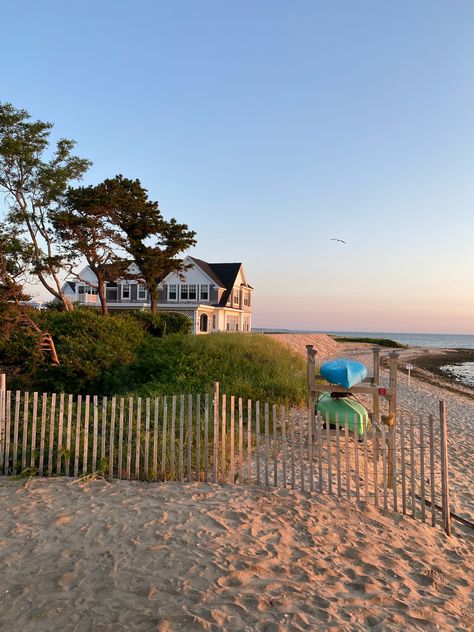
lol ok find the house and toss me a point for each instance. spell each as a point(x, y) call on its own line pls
point(215, 296)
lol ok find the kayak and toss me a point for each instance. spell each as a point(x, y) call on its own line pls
point(343, 372)
point(336, 409)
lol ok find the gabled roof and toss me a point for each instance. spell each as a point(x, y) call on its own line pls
point(224, 274)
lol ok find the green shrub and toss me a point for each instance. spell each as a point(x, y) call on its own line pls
point(163, 324)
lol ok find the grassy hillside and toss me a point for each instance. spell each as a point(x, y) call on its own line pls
point(132, 354)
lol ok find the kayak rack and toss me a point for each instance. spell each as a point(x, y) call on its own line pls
point(369, 386)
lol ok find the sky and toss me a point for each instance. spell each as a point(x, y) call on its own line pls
point(272, 127)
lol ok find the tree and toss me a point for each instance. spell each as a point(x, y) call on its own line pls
point(35, 186)
point(153, 242)
point(15, 259)
point(82, 226)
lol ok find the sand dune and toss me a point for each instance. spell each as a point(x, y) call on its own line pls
point(137, 556)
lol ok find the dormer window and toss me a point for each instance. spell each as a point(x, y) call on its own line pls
point(172, 292)
point(204, 293)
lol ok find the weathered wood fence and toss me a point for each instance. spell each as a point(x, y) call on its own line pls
point(213, 437)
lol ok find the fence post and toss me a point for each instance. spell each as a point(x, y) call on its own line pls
point(444, 468)
point(215, 464)
point(3, 401)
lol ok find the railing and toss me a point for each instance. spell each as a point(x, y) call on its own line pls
point(213, 437)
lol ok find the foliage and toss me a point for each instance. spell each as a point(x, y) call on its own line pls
point(153, 242)
point(34, 185)
point(163, 324)
point(382, 342)
point(15, 258)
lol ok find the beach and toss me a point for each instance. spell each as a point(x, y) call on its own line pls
point(99, 555)
point(136, 556)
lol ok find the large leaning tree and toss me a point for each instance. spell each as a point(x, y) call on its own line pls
point(154, 243)
point(81, 223)
point(35, 178)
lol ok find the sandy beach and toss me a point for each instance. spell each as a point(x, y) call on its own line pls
point(135, 556)
point(102, 556)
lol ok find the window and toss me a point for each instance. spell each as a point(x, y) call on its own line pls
point(80, 289)
point(204, 292)
point(203, 322)
point(214, 321)
point(142, 292)
point(126, 292)
point(236, 297)
point(172, 293)
point(184, 292)
point(247, 299)
point(192, 292)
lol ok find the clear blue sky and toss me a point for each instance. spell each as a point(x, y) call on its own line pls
point(270, 127)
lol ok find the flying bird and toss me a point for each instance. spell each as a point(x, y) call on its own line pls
point(341, 240)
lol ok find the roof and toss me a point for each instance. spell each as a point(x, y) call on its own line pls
point(224, 274)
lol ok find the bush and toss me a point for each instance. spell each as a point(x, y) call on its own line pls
point(163, 324)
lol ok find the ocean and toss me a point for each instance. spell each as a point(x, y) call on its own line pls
point(439, 341)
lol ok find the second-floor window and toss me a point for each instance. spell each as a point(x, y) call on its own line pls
point(247, 299)
point(236, 297)
point(204, 293)
point(172, 293)
point(126, 292)
point(192, 293)
point(142, 292)
point(184, 292)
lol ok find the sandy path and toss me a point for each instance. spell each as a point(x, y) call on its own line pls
point(137, 556)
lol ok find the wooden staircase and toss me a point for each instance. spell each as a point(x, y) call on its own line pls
point(45, 341)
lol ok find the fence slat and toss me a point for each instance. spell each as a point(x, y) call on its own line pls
point(129, 438)
point(120, 438)
point(26, 405)
point(43, 432)
point(328, 454)
point(86, 435)
point(172, 437)
point(232, 438)
point(319, 441)
point(181, 438)
point(275, 446)
point(412, 469)
point(257, 440)
point(3, 395)
point(112, 437)
point(283, 443)
point(347, 455)
point(51, 434)
point(375, 457)
point(156, 418)
point(33, 431)
point(366, 462)
point(432, 472)
point(77, 436)
point(403, 464)
point(16, 425)
point(267, 444)
point(338, 457)
point(60, 433)
point(215, 438)
point(292, 447)
point(164, 435)
point(138, 438)
point(8, 415)
point(422, 470)
point(223, 438)
point(70, 405)
point(206, 435)
point(311, 450)
point(95, 416)
point(249, 441)
point(190, 438)
point(444, 468)
point(384, 466)
point(241, 442)
point(103, 442)
point(198, 437)
point(355, 429)
point(302, 468)
point(146, 464)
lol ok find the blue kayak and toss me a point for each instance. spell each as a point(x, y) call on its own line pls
point(343, 372)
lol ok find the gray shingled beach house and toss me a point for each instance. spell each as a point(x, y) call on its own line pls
point(215, 296)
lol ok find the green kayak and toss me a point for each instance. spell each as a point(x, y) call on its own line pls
point(336, 410)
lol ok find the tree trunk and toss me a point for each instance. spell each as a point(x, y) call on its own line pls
point(153, 292)
point(102, 295)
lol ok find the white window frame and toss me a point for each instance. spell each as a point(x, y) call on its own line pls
point(235, 297)
point(184, 289)
point(142, 289)
point(176, 291)
point(206, 290)
point(195, 290)
point(122, 287)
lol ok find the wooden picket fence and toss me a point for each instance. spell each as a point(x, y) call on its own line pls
point(212, 437)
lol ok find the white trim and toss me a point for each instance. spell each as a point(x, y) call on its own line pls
point(122, 285)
